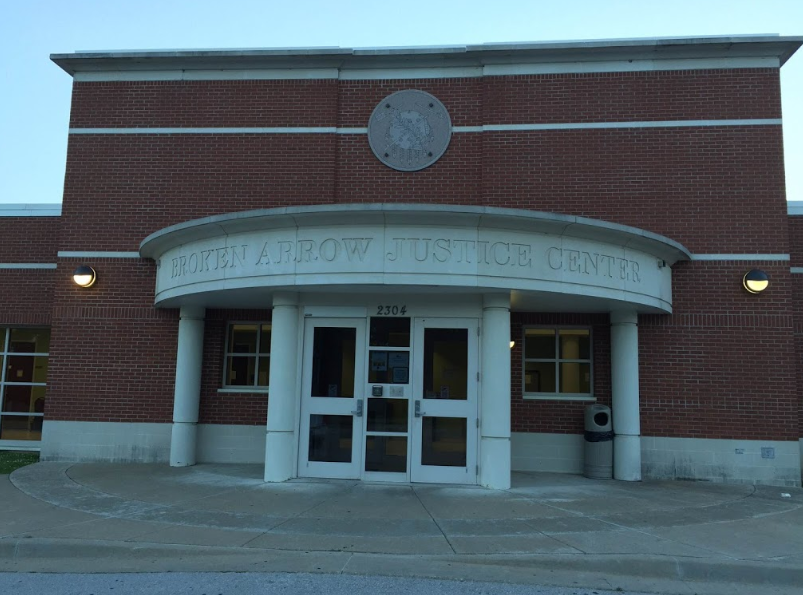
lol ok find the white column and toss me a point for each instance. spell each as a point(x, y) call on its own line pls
point(624, 384)
point(495, 386)
point(283, 396)
point(189, 362)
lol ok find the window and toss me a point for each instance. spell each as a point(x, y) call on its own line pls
point(248, 356)
point(23, 380)
point(557, 363)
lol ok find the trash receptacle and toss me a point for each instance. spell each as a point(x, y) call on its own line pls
point(598, 444)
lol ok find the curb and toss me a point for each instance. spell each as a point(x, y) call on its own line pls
point(64, 555)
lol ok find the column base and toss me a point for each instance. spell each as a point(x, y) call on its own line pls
point(279, 456)
point(495, 463)
point(182, 444)
point(627, 457)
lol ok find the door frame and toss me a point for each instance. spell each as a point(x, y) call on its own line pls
point(332, 406)
point(445, 408)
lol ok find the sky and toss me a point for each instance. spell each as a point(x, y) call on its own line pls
point(35, 93)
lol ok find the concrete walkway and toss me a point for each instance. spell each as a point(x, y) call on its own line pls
point(667, 537)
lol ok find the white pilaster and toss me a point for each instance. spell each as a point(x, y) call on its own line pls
point(283, 396)
point(189, 361)
point(625, 387)
point(495, 386)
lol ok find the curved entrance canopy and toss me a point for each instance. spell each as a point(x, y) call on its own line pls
point(546, 260)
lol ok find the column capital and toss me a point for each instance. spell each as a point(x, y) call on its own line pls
point(496, 300)
point(192, 312)
point(285, 299)
point(624, 317)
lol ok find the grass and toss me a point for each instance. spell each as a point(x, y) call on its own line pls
point(11, 460)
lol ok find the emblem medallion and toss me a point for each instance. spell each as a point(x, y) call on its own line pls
point(409, 130)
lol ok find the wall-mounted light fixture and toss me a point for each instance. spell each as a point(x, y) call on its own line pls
point(755, 281)
point(512, 344)
point(84, 276)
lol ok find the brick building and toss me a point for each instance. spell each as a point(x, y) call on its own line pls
point(417, 264)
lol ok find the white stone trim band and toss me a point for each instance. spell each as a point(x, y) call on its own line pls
point(27, 265)
point(430, 72)
point(262, 130)
point(647, 124)
point(455, 129)
point(796, 270)
point(745, 257)
point(99, 254)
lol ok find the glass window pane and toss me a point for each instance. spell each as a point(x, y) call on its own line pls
point(29, 340)
point(2, 339)
point(264, 339)
point(387, 415)
point(389, 367)
point(390, 332)
point(575, 378)
point(539, 343)
point(333, 353)
point(40, 367)
point(330, 438)
point(243, 338)
point(575, 344)
point(443, 442)
point(23, 399)
point(264, 371)
point(20, 368)
point(241, 370)
point(386, 453)
point(446, 363)
point(21, 427)
point(539, 377)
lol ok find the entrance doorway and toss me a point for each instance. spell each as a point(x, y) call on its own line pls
point(390, 399)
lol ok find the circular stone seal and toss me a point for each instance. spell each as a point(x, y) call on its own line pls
point(409, 130)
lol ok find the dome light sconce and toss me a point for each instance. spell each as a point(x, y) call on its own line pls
point(755, 281)
point(512, 344)
point(84, 276)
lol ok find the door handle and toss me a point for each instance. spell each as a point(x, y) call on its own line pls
point(418, 412)
point(358, 411)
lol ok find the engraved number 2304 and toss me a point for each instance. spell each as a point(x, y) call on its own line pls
point(391, 310)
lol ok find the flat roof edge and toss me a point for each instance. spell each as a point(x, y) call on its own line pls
point(481, 54)
point(794, 207)
point(30, 210)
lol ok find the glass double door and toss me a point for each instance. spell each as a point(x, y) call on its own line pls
point(390, 399)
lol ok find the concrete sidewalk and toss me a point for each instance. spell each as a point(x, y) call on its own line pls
point(667, 537)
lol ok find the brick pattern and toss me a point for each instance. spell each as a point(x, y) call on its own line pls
point(117, 186)
point(722, 365)
point(462, 98)
point(796, 253)
point(633, 96)
point(188, 104)
point(29, 239)
point(112, 353)
point(26, 296)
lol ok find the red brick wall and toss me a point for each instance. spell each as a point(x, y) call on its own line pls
point(29, 239)
point(714, 189)
point(170, 104)
point(796, 242)
point(112, 353)
point(26, 295)
point(722, 365)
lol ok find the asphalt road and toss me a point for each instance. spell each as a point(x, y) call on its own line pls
point(250, 583)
